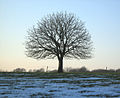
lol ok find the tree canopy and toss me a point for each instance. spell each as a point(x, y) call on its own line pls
point(59, 35)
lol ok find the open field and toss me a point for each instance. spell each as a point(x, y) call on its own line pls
point(54, 85)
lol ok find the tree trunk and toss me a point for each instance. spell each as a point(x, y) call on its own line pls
point(60, 67)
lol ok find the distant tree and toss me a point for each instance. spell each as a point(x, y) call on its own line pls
point(59, 35)
point(100, 70)
point(82, 69)
point(111, 70)
point(30, 70)
point(39, 70)
point(118, 70)
point(53, 70)
point(1, 70)
point(103, 70)
point(67, 69)
point(19, 70)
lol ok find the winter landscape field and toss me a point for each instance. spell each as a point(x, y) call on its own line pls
point(56, 85)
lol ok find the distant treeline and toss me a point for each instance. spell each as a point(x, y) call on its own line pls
point(82, 69)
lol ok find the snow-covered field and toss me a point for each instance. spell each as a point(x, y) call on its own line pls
point(68, 86)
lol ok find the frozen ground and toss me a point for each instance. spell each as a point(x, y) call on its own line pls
point(22, 85)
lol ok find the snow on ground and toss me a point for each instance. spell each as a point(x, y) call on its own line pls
point(74, 87)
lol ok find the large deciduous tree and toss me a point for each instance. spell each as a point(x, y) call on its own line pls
point(59, 35)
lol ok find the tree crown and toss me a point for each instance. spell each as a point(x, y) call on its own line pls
point(59, 35)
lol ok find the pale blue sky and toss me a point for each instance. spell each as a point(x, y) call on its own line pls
point(102, 18)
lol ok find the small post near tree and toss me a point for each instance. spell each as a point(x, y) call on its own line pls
point(60, 35)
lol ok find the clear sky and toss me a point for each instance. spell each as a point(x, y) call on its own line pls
point(102, 18)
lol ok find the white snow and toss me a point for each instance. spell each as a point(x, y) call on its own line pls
point(64, 87)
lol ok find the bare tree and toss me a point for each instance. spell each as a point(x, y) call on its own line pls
point(59, 35)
